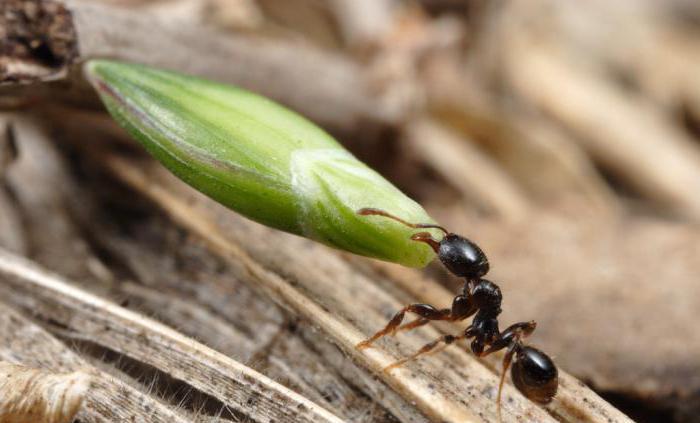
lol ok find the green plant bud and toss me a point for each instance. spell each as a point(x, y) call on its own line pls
point(261, 160)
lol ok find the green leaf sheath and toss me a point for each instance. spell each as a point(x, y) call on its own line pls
point(261, 160)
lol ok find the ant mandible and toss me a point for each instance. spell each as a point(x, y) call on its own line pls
point(532, 371)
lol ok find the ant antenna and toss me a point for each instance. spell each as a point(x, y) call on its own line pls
point(368, 211)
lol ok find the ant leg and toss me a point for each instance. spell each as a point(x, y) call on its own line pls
point(428, 348)
point(425, 311)
point(412, 324)
point(510, 339)
point(507, 359)
point(462, 307)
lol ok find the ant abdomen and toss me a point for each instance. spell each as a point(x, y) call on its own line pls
point(535, 375)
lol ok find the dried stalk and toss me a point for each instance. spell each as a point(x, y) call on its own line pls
point(40, 185)
point(564, 168)
point(363, 21)
point(617, 128)
point(547, 165)
point(11, 235)
point(339, 96)
point(28, 394)
point(646, 35)
point(8, 146)
point(225, 314)
point(150, 342)
point(327, 292)
point(459, 162)
point(107, 398)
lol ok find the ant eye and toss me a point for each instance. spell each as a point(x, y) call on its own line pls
point(463, 257)
point(535, 375)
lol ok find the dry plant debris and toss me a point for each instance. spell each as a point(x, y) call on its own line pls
point(154, 344)
point(561, 136)
point(28, 394)
point(38, 40)
point(106, 399)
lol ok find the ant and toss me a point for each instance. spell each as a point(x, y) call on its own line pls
point(532, 371)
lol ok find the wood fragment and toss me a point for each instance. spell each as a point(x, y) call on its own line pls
point(37, 40)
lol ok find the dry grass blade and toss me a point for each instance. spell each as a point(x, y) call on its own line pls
point(113, 327)
point(28, 394)
point(328, 292)
point(363, 21)
point(11, 234)
point(339, 97)
point(546, 164)
point(623, 131)
point(107, 398)
point(457, 161)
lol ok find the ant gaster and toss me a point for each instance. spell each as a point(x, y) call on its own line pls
point(532, 371)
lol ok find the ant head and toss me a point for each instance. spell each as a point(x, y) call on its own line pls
point(462, 257)
point(535, 375)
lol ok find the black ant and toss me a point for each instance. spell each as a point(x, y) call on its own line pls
point(532, 371)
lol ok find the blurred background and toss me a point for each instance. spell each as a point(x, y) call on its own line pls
point(562, 136)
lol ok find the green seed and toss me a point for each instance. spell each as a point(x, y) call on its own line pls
point(261, 160)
